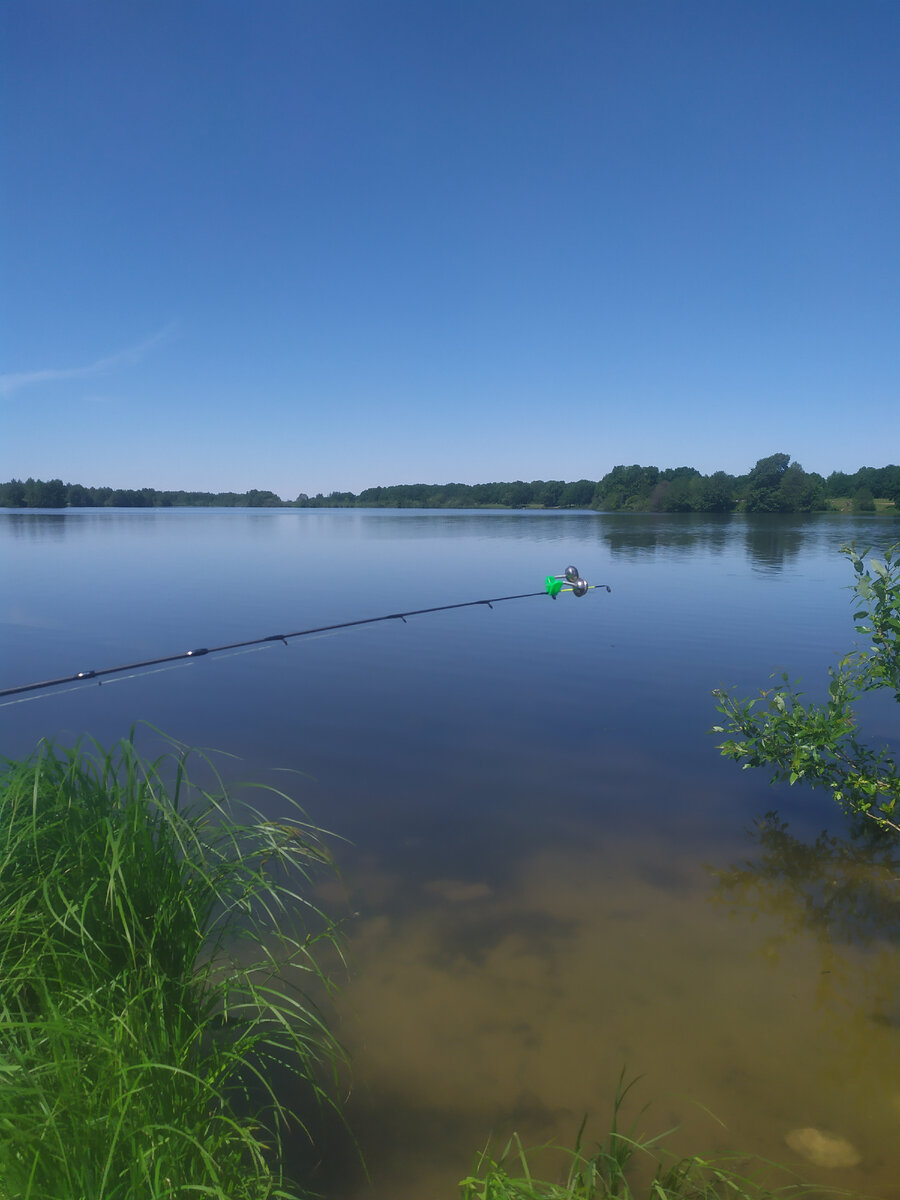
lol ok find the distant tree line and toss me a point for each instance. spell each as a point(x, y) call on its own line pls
point(774, 485)
point(53, 493)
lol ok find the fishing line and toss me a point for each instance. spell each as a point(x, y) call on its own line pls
point(553, 586)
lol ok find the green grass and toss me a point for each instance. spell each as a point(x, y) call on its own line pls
point(155, 955)
point(628, 1166)
point(844, 504)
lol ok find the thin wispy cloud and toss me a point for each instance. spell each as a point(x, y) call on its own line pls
point(15, 381)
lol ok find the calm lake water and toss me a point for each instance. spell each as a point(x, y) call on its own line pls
point(555, 876)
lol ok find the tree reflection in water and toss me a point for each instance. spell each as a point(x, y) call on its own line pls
point(844, 893)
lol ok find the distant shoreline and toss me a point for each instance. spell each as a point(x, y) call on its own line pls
point(775, 485)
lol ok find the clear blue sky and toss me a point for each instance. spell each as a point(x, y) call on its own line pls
point(309, 245)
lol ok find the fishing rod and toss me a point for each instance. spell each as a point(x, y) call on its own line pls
point(569, 581)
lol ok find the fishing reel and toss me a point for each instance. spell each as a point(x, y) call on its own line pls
point(578, 586)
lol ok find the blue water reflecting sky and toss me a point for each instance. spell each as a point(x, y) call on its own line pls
point(442, 705)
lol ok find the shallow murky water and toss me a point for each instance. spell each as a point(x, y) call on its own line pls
point(479, 1009)
point(555, 877)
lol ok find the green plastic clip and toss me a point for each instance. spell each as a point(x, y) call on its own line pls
point(553, 585)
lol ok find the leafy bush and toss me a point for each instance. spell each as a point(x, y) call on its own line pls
point(820, 743)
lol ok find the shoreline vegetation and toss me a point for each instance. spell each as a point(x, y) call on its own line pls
point(158, 951)
point(776, 484)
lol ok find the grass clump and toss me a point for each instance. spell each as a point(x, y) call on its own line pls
point(155, 954)
point(627, 1166)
